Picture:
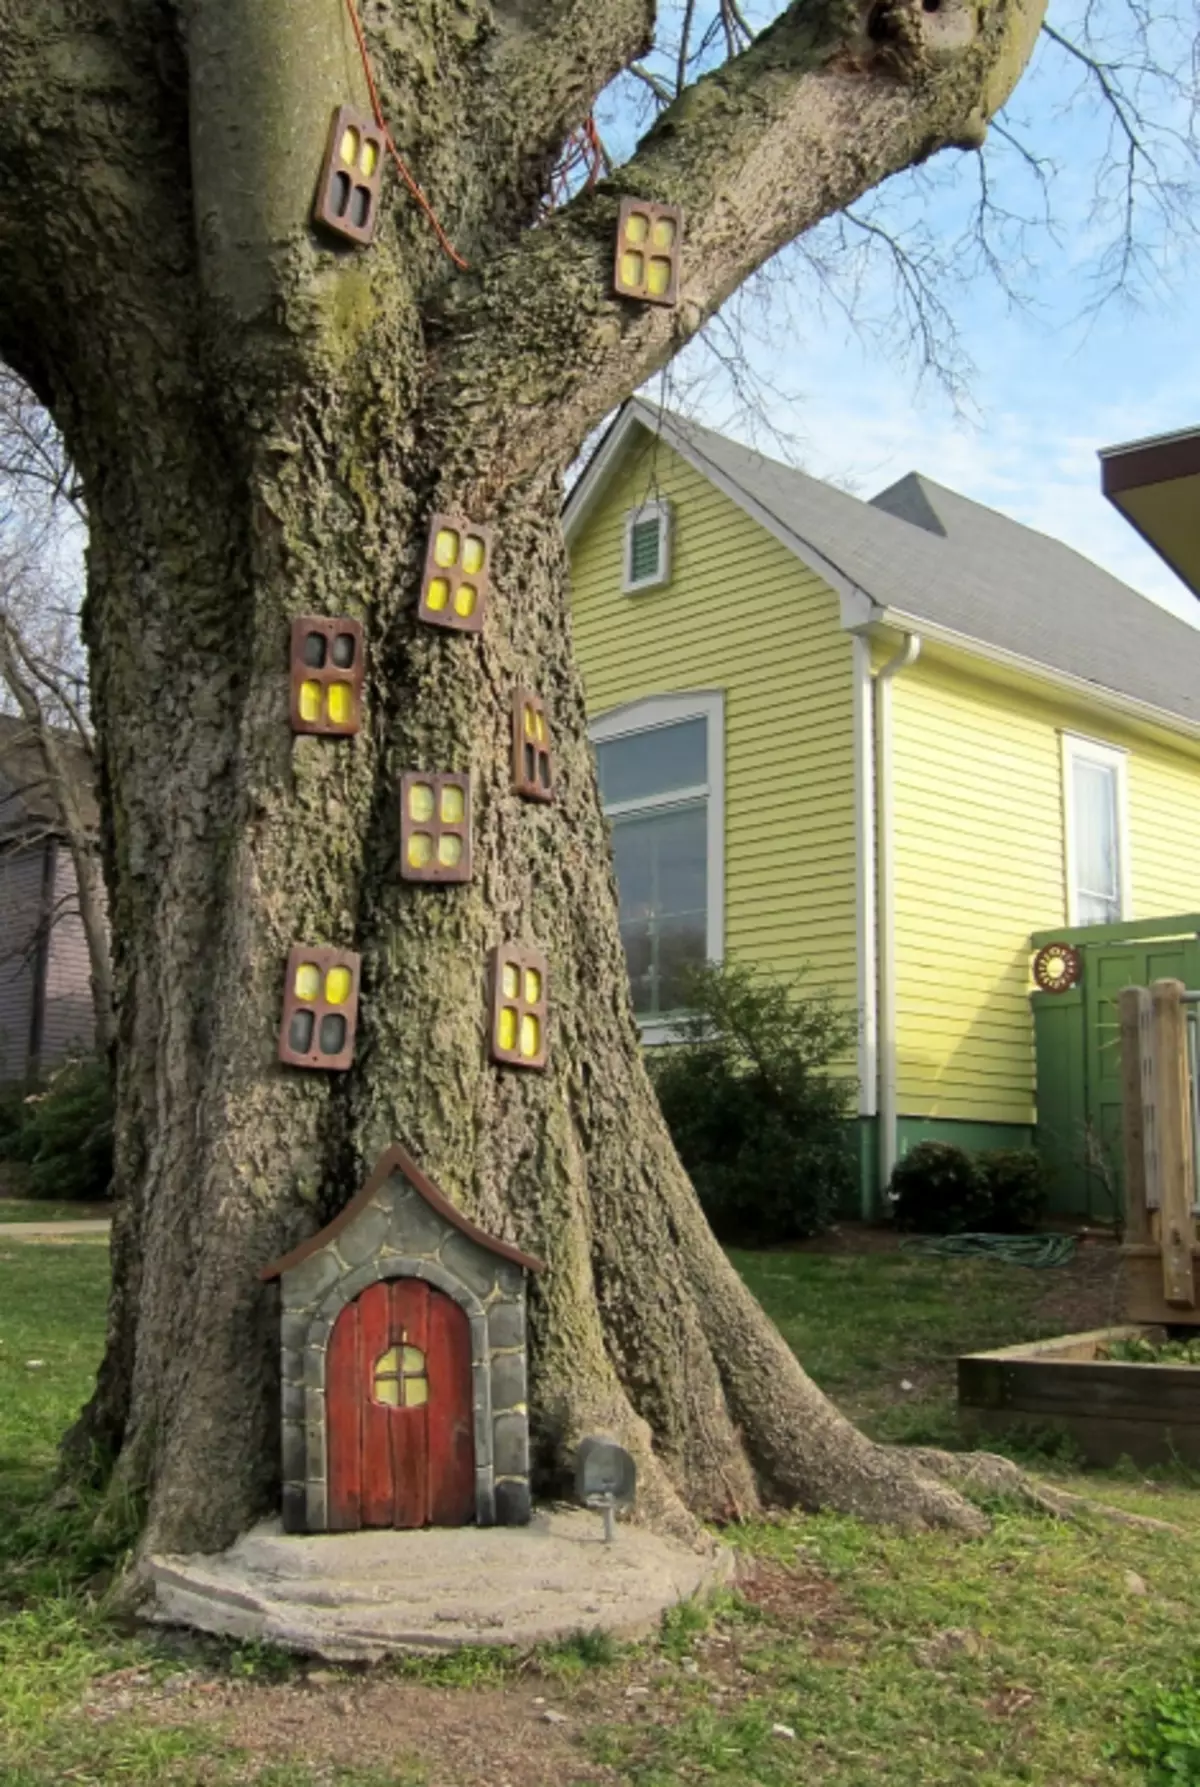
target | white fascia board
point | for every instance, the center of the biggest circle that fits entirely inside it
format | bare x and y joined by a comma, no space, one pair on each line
1094,693
858,608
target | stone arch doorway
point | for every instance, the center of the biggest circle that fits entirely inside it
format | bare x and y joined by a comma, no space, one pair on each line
398,1389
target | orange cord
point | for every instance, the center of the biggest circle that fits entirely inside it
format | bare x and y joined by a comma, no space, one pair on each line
444,240
583,149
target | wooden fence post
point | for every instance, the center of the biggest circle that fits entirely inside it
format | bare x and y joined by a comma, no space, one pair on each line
1173,1124
1134,1006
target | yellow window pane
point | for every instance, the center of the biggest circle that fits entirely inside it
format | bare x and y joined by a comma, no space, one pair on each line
420,802
310,701
510,980
659,277
539,727
337,986
506,1032
438,593
416,1392
414,1361
420,850
637,227
531,1035
530,723
349,150
445,546
341,704
450,850
370,156
632,268
663,233
533,986
389,1362
387,1391
472,555
465,598
308,980
453,805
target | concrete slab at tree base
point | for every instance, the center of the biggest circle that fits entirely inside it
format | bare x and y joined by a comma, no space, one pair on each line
355,1597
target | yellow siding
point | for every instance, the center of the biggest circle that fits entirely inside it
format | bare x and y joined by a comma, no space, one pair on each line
980,863
740,614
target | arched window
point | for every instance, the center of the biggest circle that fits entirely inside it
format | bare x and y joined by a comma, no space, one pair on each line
400,1377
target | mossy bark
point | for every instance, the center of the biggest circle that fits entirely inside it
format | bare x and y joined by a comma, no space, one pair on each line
264,424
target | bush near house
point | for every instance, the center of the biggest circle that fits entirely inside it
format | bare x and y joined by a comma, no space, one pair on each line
758,1118
63,1134
942,1190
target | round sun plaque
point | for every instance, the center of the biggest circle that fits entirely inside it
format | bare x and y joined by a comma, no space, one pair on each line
1057,967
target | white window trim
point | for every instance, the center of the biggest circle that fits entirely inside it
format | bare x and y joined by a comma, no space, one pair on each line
647,716
1078,748
648,511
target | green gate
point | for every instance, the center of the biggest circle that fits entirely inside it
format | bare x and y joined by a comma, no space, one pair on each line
1077,1040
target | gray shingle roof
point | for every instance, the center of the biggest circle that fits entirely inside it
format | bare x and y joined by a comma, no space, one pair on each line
950,562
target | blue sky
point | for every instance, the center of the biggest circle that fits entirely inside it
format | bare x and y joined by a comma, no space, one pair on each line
1051,378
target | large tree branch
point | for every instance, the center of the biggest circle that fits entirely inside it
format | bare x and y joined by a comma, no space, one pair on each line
818,110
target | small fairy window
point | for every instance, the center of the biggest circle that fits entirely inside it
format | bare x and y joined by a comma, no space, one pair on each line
401,1381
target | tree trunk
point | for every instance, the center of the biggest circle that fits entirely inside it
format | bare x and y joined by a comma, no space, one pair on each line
264,426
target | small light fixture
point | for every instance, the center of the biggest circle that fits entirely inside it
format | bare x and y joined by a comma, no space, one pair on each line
647,258
533,765
435,826
605,1479
458,563
347,201
327,675
320,1007
518,1017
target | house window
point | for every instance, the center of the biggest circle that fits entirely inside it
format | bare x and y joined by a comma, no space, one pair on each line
647,546
401,1381
661,765
1096,832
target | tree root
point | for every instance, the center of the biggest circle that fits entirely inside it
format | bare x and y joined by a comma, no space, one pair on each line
984,1474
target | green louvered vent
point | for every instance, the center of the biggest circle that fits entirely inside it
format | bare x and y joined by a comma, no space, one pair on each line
644,550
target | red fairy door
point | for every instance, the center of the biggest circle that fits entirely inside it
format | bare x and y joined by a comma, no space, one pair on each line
398,1397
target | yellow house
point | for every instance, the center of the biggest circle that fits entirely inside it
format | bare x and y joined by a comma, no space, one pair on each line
884,741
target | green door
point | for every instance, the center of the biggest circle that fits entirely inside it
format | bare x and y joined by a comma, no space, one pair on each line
1077,1038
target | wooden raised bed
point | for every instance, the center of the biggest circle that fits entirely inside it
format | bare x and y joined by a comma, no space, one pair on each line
1111,1410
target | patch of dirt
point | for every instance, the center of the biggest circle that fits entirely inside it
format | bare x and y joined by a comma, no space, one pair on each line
850,1237
1087,1292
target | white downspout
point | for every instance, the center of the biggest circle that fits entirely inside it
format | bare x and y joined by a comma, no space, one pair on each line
908,654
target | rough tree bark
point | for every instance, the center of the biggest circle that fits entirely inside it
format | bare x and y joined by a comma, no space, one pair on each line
264,424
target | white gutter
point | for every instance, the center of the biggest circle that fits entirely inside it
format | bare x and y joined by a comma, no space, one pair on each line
908,654
865,908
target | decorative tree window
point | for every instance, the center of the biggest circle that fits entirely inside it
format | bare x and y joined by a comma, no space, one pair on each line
458,561
435,827
533,768
327,675
647,257
320,1008
519,979
401,1377
348,194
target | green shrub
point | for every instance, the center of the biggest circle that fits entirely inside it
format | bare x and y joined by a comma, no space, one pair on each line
64,1134
1015,1184
759,1121
1162,1734
937,1191
942,1190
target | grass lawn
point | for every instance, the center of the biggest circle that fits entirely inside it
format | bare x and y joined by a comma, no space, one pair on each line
847,1657
42,1210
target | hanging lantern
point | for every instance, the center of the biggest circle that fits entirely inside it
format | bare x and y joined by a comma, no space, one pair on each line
347,200
327,675
458,563
435,827
518,1034
533,765
320,1007
649,238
